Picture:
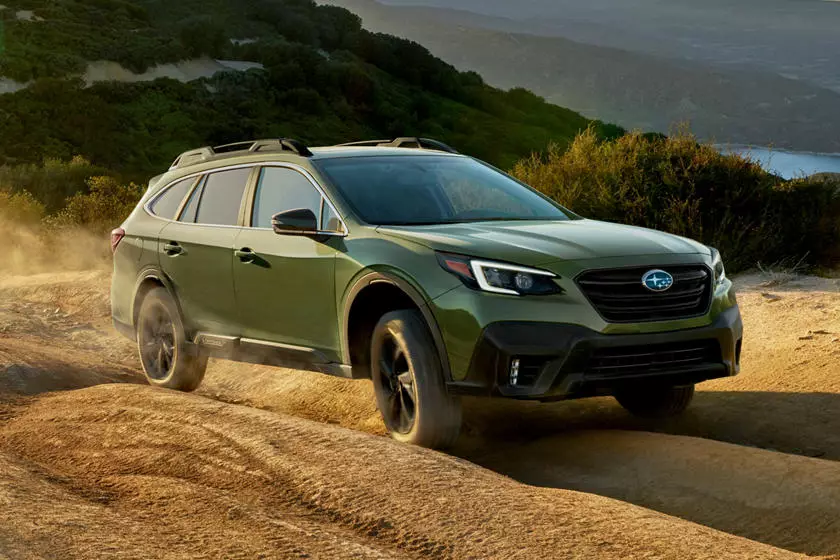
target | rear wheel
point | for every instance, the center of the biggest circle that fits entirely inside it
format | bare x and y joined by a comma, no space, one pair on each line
163,345
659,401
409,385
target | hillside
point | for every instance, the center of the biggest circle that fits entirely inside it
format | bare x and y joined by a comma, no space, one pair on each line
314,74
285,464
635,84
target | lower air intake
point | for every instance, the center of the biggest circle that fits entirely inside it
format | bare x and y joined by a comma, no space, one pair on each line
642,360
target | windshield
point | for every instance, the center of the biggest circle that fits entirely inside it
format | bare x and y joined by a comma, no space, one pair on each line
415,190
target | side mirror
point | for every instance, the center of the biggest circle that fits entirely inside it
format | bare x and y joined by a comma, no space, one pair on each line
295,222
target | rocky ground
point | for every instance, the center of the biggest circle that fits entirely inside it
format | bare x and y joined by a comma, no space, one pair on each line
272,463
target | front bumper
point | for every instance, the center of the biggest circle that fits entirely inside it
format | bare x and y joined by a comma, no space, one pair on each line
561,361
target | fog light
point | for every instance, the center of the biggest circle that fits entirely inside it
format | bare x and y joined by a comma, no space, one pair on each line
514,371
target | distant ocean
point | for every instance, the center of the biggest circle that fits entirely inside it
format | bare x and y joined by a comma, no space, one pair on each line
789,164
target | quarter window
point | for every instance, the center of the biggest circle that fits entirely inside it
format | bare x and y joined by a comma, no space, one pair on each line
329,219
191,209
280,189
221,197
167,204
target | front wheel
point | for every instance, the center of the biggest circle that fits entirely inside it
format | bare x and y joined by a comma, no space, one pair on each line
162,343
659,401
409,385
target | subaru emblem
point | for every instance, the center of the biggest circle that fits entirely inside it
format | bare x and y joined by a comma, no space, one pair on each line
657,281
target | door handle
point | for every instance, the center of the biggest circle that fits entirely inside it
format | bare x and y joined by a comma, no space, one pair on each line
172,249
245,255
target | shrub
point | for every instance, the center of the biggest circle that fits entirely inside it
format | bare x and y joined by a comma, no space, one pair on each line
28,247
50,183
677,185
107,204
20,208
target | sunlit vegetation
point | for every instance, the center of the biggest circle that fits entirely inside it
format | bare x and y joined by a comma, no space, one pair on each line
72,155
326,80
678,185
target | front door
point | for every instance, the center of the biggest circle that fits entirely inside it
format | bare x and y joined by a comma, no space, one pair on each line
285,284
197,252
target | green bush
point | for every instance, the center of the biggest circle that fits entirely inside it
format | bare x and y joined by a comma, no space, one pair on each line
325,80
677,185
50,183
104,207
20,207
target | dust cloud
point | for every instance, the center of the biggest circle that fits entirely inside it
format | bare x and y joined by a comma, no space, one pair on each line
31,248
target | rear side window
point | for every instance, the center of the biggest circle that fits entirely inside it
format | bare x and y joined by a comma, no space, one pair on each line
167,204
191,209
221,197
280,189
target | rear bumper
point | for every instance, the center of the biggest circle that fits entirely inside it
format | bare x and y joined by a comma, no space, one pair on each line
561,361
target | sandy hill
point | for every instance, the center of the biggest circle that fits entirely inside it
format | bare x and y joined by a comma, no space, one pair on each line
126,470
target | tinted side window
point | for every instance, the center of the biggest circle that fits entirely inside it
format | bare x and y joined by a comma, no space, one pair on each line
170,200
280,189
329,220
222,197
191,209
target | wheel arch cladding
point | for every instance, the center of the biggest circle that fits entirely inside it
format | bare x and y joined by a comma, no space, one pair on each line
149,280
371,297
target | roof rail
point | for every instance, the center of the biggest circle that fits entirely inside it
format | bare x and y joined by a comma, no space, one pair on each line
288,144
199,155
406,142
192,157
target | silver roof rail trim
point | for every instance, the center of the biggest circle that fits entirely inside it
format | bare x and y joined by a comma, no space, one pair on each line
192,157
405,142
199,155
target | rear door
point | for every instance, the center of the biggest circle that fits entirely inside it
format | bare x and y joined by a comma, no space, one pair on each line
286,289
197,251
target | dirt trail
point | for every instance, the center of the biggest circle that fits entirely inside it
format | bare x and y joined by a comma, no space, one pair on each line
785,500
182,464
243,482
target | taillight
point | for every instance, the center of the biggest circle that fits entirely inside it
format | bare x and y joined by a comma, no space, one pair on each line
116,236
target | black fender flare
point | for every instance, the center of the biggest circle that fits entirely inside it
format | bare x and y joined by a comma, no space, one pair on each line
413,293
157,275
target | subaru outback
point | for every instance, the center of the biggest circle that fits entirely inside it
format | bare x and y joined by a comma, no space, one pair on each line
430,273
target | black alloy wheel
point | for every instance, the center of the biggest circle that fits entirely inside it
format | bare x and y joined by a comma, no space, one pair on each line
409,383
157,342
398,381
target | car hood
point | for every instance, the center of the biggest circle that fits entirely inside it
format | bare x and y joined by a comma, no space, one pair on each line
540,242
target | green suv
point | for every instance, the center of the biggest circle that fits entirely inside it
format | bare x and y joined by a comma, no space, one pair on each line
431,273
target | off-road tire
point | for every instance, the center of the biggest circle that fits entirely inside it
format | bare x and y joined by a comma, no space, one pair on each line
184,370
437,414
658,401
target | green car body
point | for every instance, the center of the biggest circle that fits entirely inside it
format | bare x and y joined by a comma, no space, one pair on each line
311,299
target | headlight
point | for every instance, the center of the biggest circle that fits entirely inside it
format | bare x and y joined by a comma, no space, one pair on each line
717,266
500,278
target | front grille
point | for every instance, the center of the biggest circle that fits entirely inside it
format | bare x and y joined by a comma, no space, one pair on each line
641,360
620,297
